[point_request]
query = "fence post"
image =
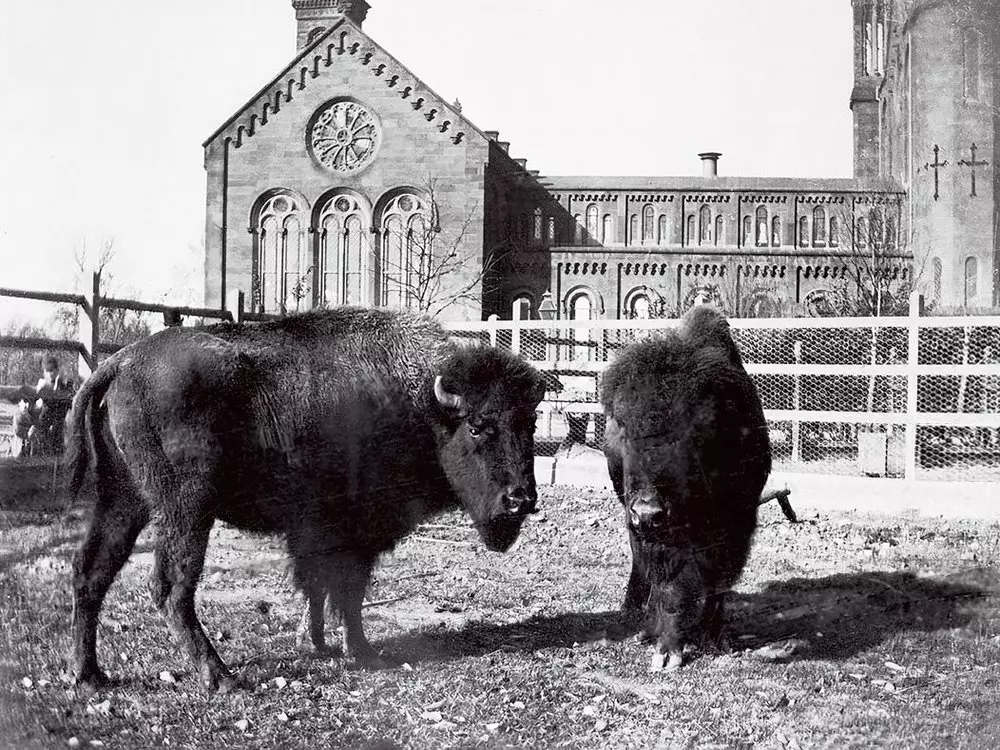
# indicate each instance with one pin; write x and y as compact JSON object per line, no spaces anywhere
{"x":797,"y":406}
{"x":912,"y":360}
{"x":89,"y":330}
{"x":493,"y":331}
{"x":235,"y":302}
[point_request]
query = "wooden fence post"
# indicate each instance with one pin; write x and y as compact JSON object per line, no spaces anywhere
{"x":89,"y":330}
{"x":912,"y":361}
{"x":797,"y":406}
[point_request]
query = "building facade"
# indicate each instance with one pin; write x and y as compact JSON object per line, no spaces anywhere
{"x":346,"y":179}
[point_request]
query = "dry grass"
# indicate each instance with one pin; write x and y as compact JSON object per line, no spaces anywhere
{"x":893,"y":624}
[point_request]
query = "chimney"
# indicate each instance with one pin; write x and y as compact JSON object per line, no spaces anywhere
{"x":522,"y":163}
{"x":709,"y":163}
{"x":314,"y":17}
{"x":504,"y":146}
{"x":492,"y":134}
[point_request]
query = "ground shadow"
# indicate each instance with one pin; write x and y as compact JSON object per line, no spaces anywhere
{"x":853,"y":611}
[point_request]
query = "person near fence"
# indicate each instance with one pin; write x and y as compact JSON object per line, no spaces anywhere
{"x":44,"y":419}
{"x":991,"y":395}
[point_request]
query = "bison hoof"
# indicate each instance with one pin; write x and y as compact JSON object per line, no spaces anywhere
{"x":92,"y":679}
{"x":218,"y":680}
{"x":661,"y":662}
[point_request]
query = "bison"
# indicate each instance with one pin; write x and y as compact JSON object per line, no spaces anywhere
{"x":688,"y":453}
{"x":341,"y":430}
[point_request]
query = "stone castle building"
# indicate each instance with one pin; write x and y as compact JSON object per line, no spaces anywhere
{"x":346,"y":179}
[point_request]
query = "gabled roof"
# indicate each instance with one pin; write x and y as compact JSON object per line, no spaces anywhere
{"x":342,"y":41}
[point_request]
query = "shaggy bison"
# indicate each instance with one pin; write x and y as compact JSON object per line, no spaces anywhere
{"x":341,"y":430}
{"x":688,"y":453}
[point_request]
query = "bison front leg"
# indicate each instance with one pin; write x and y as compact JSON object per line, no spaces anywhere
{"x":348,"y":585}
{"x":178,"y":562}
{"x":637,"y":591}
{"x":673,"y":613}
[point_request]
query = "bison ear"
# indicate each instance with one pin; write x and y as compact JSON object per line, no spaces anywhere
{"x":538,"y":391}
{"x":447,"y":400}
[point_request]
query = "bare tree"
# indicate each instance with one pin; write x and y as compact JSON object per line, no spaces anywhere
{"x":430,"y":267}
{"x":117,"y":325}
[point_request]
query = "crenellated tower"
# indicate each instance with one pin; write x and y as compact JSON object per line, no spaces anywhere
{"x":315,"y":16}
{"x":870,"y":58}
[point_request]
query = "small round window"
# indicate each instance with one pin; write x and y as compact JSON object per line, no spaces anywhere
{"x":343,"y":136}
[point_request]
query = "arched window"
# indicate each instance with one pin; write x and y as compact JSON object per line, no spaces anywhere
{"x":647,"y":223}
{"x":521,"y":307}
{"x":834,"y":231}
{"x":819,"y":226}
{"x":971,"y":47}
{"x":936,"y":274}
{"x":691,"y":236}
{"x":861,"y":233}
{"x":284,"y":269}
{"x":537,"y":228}
{"x":705,"y":226}
{"x":662,"y":237}
{"x":776,"y":231}
{"x":747,"y":229}
{"x":762,"y":226}
{"x":633,"y":229}
{"x":971,"y":281}
{"x":804,"y":231}
{"x":720,"y":230}
{"x":608,"y":230}
{"x":890,"y":232}
{"x":577,"y":230}
{"x":876,"y":228}
{"x":581,"y":307}
{"x":344,"y":251}
{"x":592,"y":223}
{"x":551,"y":233}
{"x":639,"y":307}
{"x":404,"y":260}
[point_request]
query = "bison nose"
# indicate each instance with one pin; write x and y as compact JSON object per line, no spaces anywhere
{"x":519,"y":501}
{"x":646,"y":512}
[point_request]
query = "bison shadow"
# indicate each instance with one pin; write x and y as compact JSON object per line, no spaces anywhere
{"x":853,"y":612}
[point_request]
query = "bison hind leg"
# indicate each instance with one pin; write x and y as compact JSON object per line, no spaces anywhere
{"x":311,"y":578}
{"x":118,"y":517}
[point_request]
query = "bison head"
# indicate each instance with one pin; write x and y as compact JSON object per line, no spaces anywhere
{"x":485,"y":403}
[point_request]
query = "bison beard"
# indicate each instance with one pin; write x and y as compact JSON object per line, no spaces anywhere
{"x":341,"y":430}
{"x":688,"y":454}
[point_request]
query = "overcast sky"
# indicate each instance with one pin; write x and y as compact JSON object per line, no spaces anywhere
{"x":106,"y":103}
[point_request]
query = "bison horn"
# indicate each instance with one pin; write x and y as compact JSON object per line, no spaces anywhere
{"x":449,"y":400}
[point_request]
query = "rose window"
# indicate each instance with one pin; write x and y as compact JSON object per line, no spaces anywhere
{"x":344,"y":136}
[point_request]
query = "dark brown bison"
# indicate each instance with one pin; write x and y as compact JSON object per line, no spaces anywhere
{"x":688,"y":453}
{"x":341,"y":430}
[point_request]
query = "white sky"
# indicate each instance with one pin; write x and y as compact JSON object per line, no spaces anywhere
{"x":106,"y":104}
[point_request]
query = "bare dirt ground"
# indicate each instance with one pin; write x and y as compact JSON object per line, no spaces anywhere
{"x":848,"y":630}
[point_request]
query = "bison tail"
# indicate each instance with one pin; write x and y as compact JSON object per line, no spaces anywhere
{"x":84,"y":425}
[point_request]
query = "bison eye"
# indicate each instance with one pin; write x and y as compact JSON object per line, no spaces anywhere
{"x":475,"y":431}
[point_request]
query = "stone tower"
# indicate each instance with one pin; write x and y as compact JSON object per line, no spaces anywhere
{"x":315,"y":16}
{"x":870,"y":36}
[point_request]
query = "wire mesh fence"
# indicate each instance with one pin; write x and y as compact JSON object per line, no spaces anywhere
{"x":900,"y":397}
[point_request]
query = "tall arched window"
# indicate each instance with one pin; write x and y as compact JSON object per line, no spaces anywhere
{"x":581,"y":307}
{"x":876,"y":228}
{"x":720,"y":230}
{"x":762,"y":226}
{"x":521,"y":308}
{"x":639,"y":307}
{"x":283,"y":277}
{"x":539,"y":223}
{"x":404,"y":261}
{"x":592,"y":223}
{"x":776,"y":231}
{"x":861,"y":232}
{"x":819,"y":226}
{"x":647,"y":223}
{"x":890,"y":232}
{"x":608,"y":230}
{"x":551,"y":230}
{"x":971,"y":280}
{"x":633,"y":229}
{"x":747,"y":229}
{"x":344,"y":252}
{"x":577,"y":230}
{"x":971,"y":47}
{"x":692,"y":236}
{"x":705,"y":225}
{"x":936,"y":276}
{"x":804,"y":231}
{"x":662,"y":237}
